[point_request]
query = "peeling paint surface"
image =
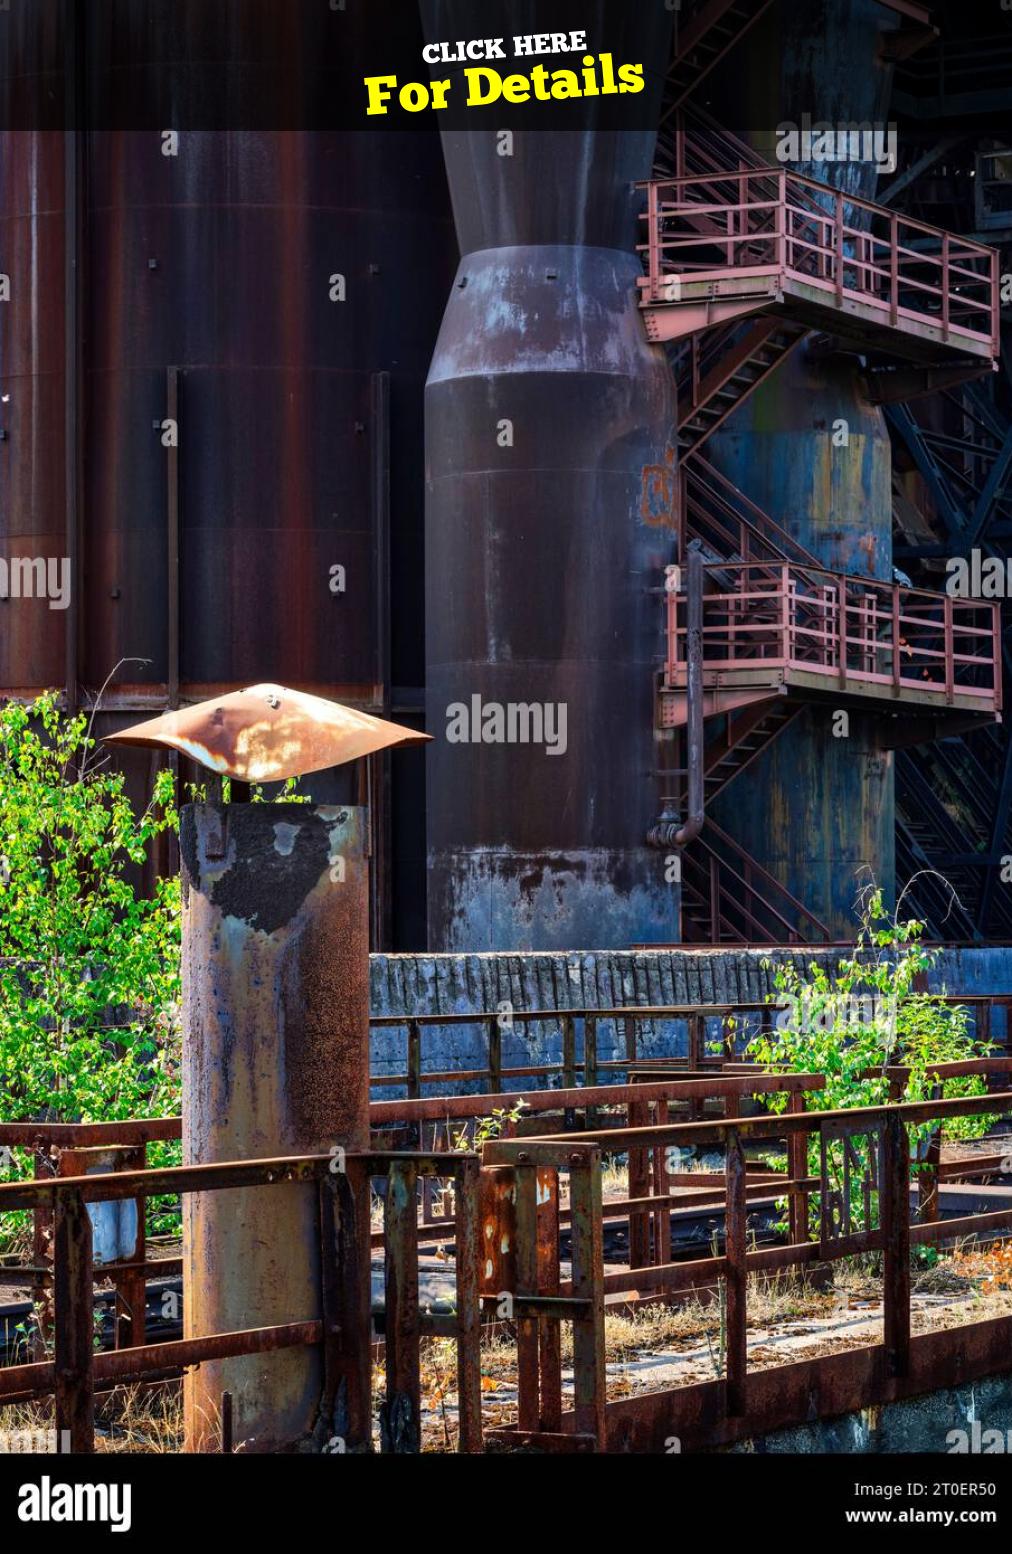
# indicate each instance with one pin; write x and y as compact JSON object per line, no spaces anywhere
{"x":275,"y":1062}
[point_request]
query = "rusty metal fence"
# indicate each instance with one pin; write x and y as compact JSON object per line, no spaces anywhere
{"x":75,"y":1372}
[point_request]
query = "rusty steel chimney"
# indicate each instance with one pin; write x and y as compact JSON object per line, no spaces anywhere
{"x":276,"y":1038}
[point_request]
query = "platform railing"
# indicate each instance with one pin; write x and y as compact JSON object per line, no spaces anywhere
{"x":864,"y":1206}
{"x":850,"y":631}
{"x":702,"y":227}
{"x":508,"y":1263}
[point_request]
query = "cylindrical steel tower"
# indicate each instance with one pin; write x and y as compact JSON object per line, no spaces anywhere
{"x":548,"y":417}
{"x":211,"y":373}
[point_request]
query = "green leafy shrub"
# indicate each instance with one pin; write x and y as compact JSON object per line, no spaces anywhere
{"x":851,"y":1023}
{"x":89,"y":968}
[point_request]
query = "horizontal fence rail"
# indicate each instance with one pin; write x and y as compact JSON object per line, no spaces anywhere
{"x":887,"y":1228}
{"x":526,"y":1226}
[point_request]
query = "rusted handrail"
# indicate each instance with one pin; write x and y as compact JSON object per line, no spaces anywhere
{"x":769,"y":220}
{"x":840,"y":625}
{"x":886,"y":1228}
{"x":75,"y":1371}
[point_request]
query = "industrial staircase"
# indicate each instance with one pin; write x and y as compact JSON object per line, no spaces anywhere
{"x":742,"y":262}
{"x":705,"y":32}
{"x":729,"y":898}
{"x":719,"y":247}
{"x":715,"y":373}
{"x":745,"y":733}
{"x":727,"y":523}
{"x":954,"y":799}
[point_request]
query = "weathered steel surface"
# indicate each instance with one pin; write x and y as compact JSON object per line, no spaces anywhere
{"x":32,"y":342}
{"x":73,"y":1345}
{"x":735,"y":1277}
{"x":346,"y":1404}
{"x":549,"y":516}
{"x":895,"y":1218}
{"x":266,"y":733}
{"x":589,"y":1391}
{"x":400,"y":1415}
{"x":791,"y":1394}
{"x":467,"y":1255}
{"x":275,"y":991}
{"x":817,"y":809}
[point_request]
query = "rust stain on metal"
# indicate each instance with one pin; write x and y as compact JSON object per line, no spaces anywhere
{"x":276,"y":1060}
{"x":658,"y":505}
{"x":266,"y":733}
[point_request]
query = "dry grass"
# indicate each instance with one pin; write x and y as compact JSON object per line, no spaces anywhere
{"x":139,"y":1418}
{"x":956,"y":1290}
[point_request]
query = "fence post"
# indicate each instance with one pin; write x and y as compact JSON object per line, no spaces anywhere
{"x":346,"y":1307}
{"x":494,"y":1053}
{"x":569,"y":1067}
{"x":894,"y":269}
{"x":550,"y":1341}
{"x":73,"y":1343}
{"x":131,"y":1288}
{"x":467,"y":1219}
{"x":528,"y":1409}
{"x":400,"y":1416}
{"x":414,"y":1060}
{"x":589,"y":1395}
{"x":895,"y":1222}
{"x":639,"y":1187}
{"x":797,"y":1166}
{"x":838,"y":245}
{"x":590,"y":1061}
{"x":735,"y":1275}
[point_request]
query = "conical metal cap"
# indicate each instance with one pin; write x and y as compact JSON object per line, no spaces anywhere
{"x":267,"y":733}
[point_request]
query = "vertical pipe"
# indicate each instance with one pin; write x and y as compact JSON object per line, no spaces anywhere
{"x":694,"y":695}
{"x":172,"y":540}
{"x":72,"y":383}
{"x":73,"y":1341}
{"x":549,"y":519}
{"x":528,"y":1347}
{"x":467,"y":1218}
{"x":895,"y":1222}
{"x":589,"y":1393}
{"x":550,"y":1339}
{"x":736,"y":1279}
{"x":379,"y":764}
{"x":345,"y":1300}
{"x":275,"y":1062}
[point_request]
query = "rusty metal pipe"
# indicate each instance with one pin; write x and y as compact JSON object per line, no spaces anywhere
{"x":694,"y":695}
{"x":275,"y":1062}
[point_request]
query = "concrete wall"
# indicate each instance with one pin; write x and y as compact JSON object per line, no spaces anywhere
{"x":918,"y":1425}
{"x":600,"y":979}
